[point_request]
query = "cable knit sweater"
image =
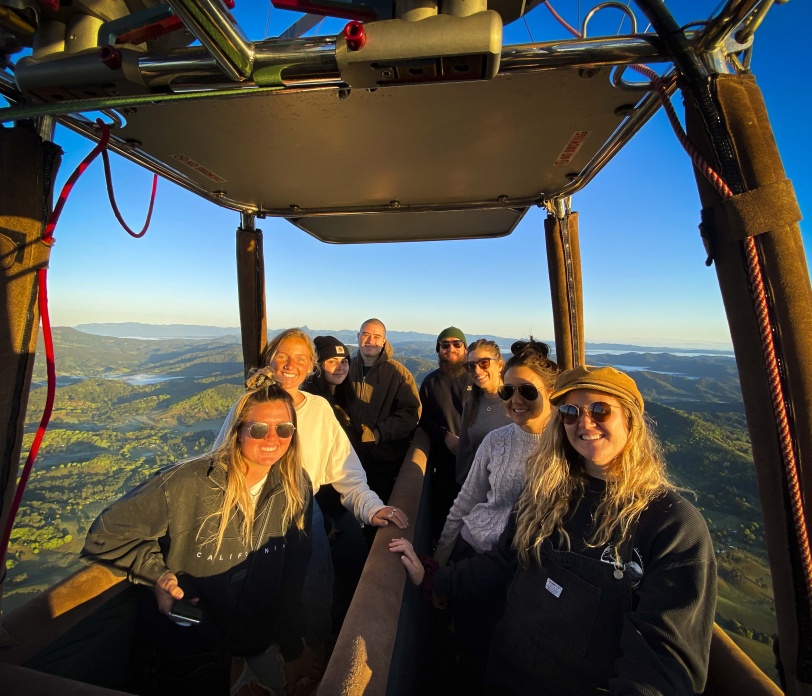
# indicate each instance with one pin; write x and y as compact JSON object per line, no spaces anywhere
{"x":480,"y":512}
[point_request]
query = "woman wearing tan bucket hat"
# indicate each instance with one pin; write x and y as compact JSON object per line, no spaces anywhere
{"x":613,"y":572}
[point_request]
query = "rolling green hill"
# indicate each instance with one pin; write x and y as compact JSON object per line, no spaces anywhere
{"x":134,"y":406}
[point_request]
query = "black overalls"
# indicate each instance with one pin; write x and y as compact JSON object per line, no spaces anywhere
{"x":560,"y":633}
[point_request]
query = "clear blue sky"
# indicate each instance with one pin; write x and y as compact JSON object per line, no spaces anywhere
{"x":645,"y":281}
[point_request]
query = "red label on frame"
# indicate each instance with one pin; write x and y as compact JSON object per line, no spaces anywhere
{"x":199,"y":168}
{"x":571,"y":148}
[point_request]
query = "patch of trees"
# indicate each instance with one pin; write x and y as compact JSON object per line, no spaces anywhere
{"x":740,"y":629}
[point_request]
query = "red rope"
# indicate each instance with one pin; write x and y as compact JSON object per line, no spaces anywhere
{"x":761,"y":307}
{"x":109,"y":178}
{"x":562,"y":21}
{"x":779,"y":410}
{"x":47,"y":338}
{"x":48,"y":234}
{"x":42,"y":303}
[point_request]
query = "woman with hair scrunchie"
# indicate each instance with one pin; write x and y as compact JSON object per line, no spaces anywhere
{"x":613,"y":573}
{"x":480,"y":513}
{"x":219,"y":546}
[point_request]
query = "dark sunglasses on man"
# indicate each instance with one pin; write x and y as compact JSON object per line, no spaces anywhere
{"x":445,"y":345}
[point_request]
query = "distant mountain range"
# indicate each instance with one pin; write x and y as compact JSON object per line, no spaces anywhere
{"x":127,"y":406}
{"x":348,"y":336}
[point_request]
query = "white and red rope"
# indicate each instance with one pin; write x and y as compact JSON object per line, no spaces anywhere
{"x":761,"y":307}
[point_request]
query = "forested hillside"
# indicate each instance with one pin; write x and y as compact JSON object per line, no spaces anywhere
{"x":127,"y":407}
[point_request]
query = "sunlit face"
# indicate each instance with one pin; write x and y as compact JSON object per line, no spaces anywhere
{"x":335,"y":370}
{"x":598,"y":443}
{"x":530,"y":415}
{"x":291,"y":363}
{"x":487,"y":379}
{"x":371,"y":338}
{"x":266,"y":452}
{"x":452,"y":350}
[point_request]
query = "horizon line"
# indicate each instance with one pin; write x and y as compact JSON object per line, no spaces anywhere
{"x":673,"y":343}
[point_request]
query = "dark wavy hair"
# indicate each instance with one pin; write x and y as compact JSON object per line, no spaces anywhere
{"x":476,"y":391}
{"x":534,"y":355}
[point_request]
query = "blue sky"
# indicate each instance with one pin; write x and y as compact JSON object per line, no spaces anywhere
{"x":645,"y":281}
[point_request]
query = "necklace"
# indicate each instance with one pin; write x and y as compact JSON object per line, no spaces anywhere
{"x":488,"y":406}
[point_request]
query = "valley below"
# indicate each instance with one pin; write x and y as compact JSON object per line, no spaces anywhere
{"x":128,"y":407}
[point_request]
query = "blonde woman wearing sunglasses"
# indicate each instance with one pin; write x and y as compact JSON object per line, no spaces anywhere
{"x":614,"y":573}
{"x":327,"y":457}
{"x":219,"y":547}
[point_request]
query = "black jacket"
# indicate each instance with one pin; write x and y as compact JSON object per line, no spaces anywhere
{"x":386,"y":399}
{"x":572,"y":626}
{"x":250,"y":595}
{"x":442,"y":397}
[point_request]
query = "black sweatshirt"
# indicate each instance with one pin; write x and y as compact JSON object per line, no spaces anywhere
{"x":662,"y":641}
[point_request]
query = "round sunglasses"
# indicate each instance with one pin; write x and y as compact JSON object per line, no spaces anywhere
{"x":482,"y":364}
{"x":527,"y":391}
{"x":599,"y":411}
{"x":259,"y":431}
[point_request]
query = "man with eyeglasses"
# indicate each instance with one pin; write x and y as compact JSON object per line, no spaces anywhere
{"x":442,"y":396}
{"x":387,"y":408}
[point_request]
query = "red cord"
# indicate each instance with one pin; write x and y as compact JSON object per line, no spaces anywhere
{"x":759,"y":293}
{"x":48,"y":235}
{"x":109,"y":178}
{"x":42,"y":303}
{"x":562,"y":21}
{"x":761,"y":307}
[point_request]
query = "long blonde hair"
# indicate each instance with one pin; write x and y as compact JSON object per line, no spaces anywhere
{"x":262,"y":388}
{"x":557,"y":477}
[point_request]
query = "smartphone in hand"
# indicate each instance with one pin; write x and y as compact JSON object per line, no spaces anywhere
{"x":185,"y":613}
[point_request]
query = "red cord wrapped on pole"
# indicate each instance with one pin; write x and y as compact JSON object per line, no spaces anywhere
{"x":42,"y":302}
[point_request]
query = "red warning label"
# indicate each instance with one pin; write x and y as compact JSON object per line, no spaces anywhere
{"x":199,"y":168}
{"x":571,"y":148}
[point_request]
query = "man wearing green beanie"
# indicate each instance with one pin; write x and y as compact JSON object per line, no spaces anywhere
{"x":442,"y":395}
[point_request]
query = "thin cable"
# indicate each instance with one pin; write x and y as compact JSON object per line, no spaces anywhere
{"x":620,"y":26}
{"x":268,"y":20}
{"x":530,"y":33}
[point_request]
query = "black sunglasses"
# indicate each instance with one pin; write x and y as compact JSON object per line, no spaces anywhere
{"x":259,"y":431}
{"x":482,"y":364}
{"x":599,"y":411}
{"x":527,"y":391}
{"x":445,"y":345}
